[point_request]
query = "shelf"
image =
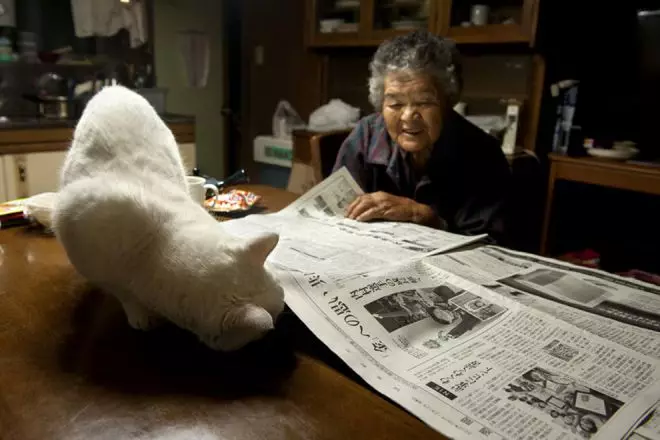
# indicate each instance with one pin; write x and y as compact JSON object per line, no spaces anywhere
{"x":337,"y":39}
{"x":401,"y":4}
{"x":491,"y":33}
{"x":494,"y":95}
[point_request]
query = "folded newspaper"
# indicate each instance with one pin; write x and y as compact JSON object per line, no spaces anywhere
{"x":479,"y":343}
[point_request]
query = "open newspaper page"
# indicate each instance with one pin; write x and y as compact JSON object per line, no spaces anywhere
{"x":472,"y":363}
{"x":622,"y":310}
{"x":649,"y":426}
{"x":315,"y":235}
{"x":330,"y":198}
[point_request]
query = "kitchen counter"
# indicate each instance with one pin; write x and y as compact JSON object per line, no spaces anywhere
{"x":23,"y":122}
{"x":31,"y":135}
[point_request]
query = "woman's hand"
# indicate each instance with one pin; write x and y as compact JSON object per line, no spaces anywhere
{"x":383,"y":206}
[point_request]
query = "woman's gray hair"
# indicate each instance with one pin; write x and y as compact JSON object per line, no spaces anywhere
{"x":418,"y":52}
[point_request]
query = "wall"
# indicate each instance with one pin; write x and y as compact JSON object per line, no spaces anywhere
{"x":171,"y":16}
{"x":288,"y":71}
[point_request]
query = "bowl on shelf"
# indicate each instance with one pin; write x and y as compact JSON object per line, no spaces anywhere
{"x":330,"y":25}
{"x":614,"y":153}
{"x":622,"y":150}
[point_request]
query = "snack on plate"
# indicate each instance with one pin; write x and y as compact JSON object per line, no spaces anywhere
{"x":232,"y":201}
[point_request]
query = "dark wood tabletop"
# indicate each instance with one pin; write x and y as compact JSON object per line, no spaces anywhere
{"x":71,"y":368}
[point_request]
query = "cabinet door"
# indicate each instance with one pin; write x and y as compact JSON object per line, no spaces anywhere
{"x":399,"y":17}
{"x":3,"y":185}
{"x":497,"y":21}
{"x":189,"y":157}
{"x":32,"y":173}
{"x":24,"y":175}
{"x":336,"y":22}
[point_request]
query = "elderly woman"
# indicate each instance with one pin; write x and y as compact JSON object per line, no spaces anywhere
{"x":418,"y":160}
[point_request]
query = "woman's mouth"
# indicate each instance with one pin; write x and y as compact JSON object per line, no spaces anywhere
{"x":412,"y":132}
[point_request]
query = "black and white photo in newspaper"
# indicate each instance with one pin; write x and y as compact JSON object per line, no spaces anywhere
{"x":471,"y":363}
{"x":622,"y":310}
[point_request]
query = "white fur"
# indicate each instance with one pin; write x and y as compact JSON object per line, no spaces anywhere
{"x":129,"y":226}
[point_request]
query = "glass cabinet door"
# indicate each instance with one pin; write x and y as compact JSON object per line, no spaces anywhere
{"x":492,"y":21}
{"x":401,"y":15}
{"x":337,"y":16}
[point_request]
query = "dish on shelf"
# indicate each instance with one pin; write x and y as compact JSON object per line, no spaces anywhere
{"x":330,"y":25}
{"x":347,"y":28}
{"x":614,"y":153}
{"x":347,"y":4}
{"x":408,"y":24}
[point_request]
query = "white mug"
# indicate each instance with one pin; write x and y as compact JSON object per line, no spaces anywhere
{"x":479,"y":15}
{"x":197,"y":187}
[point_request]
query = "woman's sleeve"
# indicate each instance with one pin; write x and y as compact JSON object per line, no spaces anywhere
{"x":351,"y":155}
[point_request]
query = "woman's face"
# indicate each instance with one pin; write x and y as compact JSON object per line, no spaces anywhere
{"x":412,"y":110}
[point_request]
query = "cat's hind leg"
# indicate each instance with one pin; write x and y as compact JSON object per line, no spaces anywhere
{"x":139,"y":317}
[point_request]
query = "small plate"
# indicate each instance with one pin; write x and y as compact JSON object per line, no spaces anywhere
{"x":614,"y":154}
{"x":235,"y":200}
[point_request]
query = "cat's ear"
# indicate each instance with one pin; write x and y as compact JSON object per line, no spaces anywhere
{"x":245,"y":324}
{"x":258,"y":249}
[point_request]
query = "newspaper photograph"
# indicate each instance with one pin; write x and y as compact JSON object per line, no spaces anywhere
{"x":622,"y":310}
{"x":472,"y":363}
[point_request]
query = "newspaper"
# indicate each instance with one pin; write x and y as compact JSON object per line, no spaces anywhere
{"x":314,"y":234}
{"x":480,"y":343}
{"x":620,"y":309}
{"x":330,"y":198}
{"x":472,"y":363}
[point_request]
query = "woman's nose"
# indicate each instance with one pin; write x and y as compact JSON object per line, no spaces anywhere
{"x":408,"y":113}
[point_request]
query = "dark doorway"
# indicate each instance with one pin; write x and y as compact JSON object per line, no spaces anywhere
{"x":232,"y":23}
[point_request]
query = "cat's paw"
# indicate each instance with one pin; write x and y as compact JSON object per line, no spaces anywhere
{"x":138,"y":316}
{"x":143,"y":321}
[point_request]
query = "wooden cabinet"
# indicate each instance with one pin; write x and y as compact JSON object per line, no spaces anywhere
{"x":506,"y":21}
{"x":3,"y":183}
{"x":24,"y":175}
{"x":31,"y":158}
{"x":32,"y":173}
{"x":369,"y":22}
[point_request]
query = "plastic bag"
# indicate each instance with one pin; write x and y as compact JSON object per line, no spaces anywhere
{"x":285,"y":120}
{"x":335,"y":115}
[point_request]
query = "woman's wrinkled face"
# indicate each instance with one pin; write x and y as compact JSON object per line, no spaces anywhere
{"x":412,"y":110}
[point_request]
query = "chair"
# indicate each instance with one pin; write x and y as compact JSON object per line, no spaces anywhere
{"x":314,"y":156}
{"x":525,"y":214}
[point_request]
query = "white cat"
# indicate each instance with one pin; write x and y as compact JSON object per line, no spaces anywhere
{"x":129,"y":226}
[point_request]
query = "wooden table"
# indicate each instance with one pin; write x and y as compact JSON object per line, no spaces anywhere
{"x":601,"y":172}
{"x":71,"y":368}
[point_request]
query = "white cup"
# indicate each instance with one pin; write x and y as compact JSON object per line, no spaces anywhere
{"x":479,"y":15}
{"x":197,"y":187}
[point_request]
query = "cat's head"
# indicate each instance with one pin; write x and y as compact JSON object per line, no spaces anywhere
{"x":256,"y":298}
